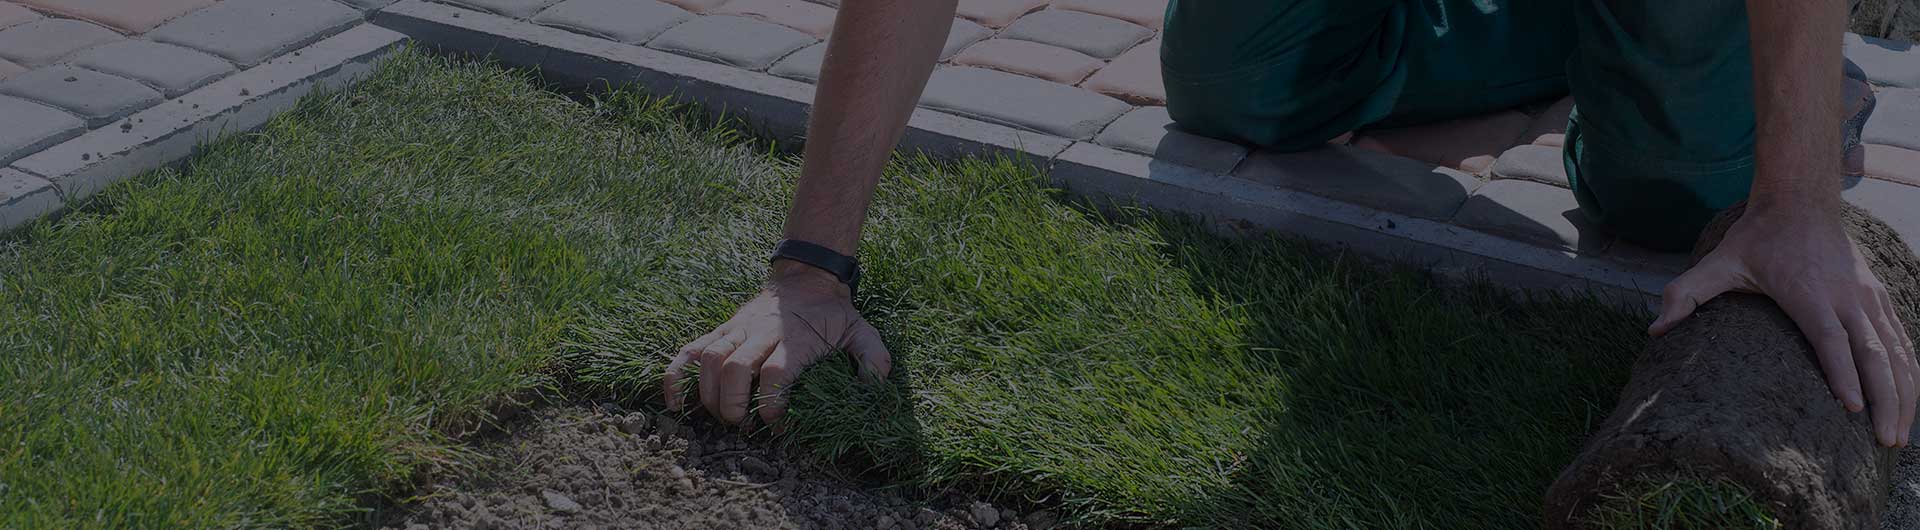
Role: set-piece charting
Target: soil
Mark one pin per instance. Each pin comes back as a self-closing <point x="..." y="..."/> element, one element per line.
<point x="577" y="466"/>
<point x="1735" y="393"/>
<point x="1870" y="18"/>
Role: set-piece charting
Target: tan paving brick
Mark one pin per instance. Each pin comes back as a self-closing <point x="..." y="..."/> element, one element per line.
<point x="1468" y="144"/>
<point x="1052" y="63"/>
<point x="997" y="13"/>
<point x="1537" y="163"/>
<point x="1894" y="163"/>
<point x="814" y="19"/>
<point x="7" y="69"/>
<point x="128" y="16"/>
<point x="1133" y="77"/>
<point x="13" y="14"/>
<point x="48" y="40"/>
<point x="1149" y="13"/>
<point x="697" y="6"/>
<point x="1091" y="34"/>
<point x="629" y="21"/>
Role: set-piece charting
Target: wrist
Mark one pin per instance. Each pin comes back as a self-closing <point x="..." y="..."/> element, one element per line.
<point x="789" y="274"/>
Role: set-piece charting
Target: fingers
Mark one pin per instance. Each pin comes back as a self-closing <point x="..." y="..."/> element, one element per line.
<point x="711" y="359"/>
<point x="1870" y="359"/>
<point x="1684" y="294"/>
<point x="777" y="373"/>
<point x="676" y="370"/>
<point x="1900" y="350"/>
<point x="869" y="351"/>
<point x="1822" y="328"/>
<point x="733" y="381"/>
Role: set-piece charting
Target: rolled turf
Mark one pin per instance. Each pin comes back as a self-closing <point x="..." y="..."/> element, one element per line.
<point x="299" y="321"/>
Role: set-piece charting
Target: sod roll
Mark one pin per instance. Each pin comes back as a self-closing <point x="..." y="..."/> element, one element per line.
<point x="1733" y="396"/>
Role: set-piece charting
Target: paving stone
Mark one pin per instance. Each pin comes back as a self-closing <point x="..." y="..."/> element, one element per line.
<point x="1646" y="258"/>
<point x="1149" y="13"/>
<point x="1896" y="121"/>
<point x="1551" y="140"/>
<point x="172" y="69"/>
<point x="520" y="9"/>
<point x="1469" y="144"/>
<point x="1891" y="202"/>
<point x="98" y="97"/>
<point x="697" y="6"/>
<point x="1365" y="178"/>
<point x="13" y="14"/>
<point x="250" y="31"/>
<point x="629" y="21"/>
<point x="1886" y="62"/>
<point x="369" y="5"/>
<point x="1020" y="101"/>
<point x="961" y="35"/>
<point x="44" y="41"/>
<point x="813" y="19"/>
<point x="803" y="65"/>
<point x="1134" y="77"/>
<point x="1549" y="121"/>
<point x="8" y="69"/>
<point x="732" y="40"/>
<point x="24" y="198"/>
<point x="1532" y="212"/>
<point x="32" y="126"/>
<point x="165" y="133"/>
<point x="1894" y="163"/>
<point x="997" y="13"/>
<point x="1052" y="63"/>
<point x="128" y="16"/>
<point x="1095" y="35"/>
<point x="1149" y="131"/>
<point x="1538" y="163"/>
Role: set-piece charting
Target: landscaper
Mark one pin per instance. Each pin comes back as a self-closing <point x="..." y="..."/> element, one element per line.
<point x="1685" y="108"/>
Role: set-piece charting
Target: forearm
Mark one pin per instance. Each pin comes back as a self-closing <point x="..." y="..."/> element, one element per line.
<point x="876" y="65"/>
<point x="1797" y="99"/>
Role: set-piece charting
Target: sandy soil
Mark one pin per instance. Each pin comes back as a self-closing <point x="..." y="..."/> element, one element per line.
<point x="589" y="467"/>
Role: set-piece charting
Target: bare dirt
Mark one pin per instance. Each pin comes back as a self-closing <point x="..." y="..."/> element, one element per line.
<point x="1895" y="19"/>
<point x="576" y="466"/>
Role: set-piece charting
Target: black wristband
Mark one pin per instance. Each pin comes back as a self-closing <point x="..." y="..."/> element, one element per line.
<point x="839" y="265"/>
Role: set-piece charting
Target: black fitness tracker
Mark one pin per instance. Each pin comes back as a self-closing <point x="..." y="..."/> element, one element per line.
<point x="840" y="265"/>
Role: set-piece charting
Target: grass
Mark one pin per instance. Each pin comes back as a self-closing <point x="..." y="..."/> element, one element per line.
<point x="284" y="330"/>
<point x="1681" y="503"/>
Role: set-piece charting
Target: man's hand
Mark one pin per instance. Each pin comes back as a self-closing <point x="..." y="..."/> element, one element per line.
<point x="802" y="315"/>
<point x="1803" y="259"/>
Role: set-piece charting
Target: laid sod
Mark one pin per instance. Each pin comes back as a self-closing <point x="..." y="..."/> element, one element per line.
<point x="279" y="334"/>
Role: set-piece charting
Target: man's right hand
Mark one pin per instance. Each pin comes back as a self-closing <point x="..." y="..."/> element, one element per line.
<point x="802" y="315"/>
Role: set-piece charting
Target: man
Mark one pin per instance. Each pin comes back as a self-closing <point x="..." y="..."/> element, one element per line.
<point x="1684" y="109"/>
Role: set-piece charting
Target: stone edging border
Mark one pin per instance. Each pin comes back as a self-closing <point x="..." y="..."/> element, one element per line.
<point x="57" y="178"/>
<point x="60" y="177"/>
<point x="778" y="107"/>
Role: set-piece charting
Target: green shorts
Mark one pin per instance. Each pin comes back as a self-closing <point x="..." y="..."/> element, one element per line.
<point x="1661" y="140"/>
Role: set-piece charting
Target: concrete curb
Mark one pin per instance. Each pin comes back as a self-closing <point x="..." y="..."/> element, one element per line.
<point x="168" y="132"/>
<point x="778" y="107"/>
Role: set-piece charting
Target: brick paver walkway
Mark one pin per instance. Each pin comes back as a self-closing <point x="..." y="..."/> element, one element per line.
<point x="1083" y="71"/>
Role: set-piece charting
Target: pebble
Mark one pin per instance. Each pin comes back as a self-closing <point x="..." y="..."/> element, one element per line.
<point x="635" y="424"/>
<point x="985" y="515"/>
<point x="756" y="467"/>
<point x="678" y="472"/>
<point x="884" y="522"/>
<point x="559" y="503"/>
<point x="667" y="426"/>
<point x="1041" y="520"/>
